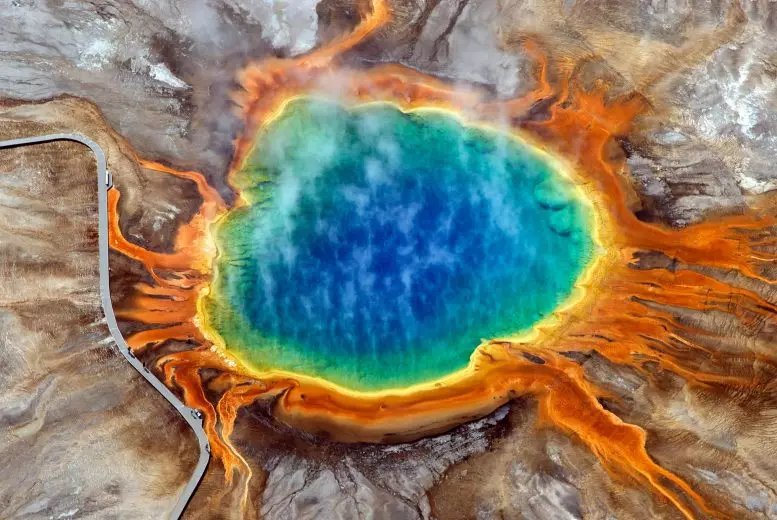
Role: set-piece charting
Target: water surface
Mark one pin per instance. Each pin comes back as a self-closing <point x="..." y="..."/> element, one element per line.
<point x="379" y="248"/>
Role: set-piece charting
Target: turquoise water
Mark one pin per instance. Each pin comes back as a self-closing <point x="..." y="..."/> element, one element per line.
<point x="378" y="248"/>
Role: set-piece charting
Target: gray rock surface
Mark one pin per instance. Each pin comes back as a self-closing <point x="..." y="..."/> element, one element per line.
<point x="459" y="40"/>
<point x="381" y="482"/>
<point x="539" y="496"/>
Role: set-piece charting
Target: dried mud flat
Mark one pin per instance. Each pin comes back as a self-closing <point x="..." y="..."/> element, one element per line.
<point x="89" y="439"/>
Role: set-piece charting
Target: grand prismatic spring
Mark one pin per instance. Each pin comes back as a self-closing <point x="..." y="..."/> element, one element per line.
<point x="405" y="256"/>
<point x="377" y="249"/>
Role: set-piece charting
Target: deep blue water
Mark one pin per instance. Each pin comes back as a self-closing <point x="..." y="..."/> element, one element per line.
<point x="378" y="248"/>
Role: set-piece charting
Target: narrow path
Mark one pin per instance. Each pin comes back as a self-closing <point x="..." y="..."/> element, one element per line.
<point x="193" y="417"/>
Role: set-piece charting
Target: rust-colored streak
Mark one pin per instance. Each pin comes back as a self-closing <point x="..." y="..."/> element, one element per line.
<point x="377" y="18"/>
<point x="186" y="331"/>
<point x="624" y="312"/>
<point x="572" y="407"/>
<point x="184" y="374"/>
<point x="212" y="202"/>
<point x="148" y="258"/>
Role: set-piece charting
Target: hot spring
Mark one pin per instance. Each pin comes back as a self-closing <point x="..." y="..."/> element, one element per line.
<point x="377" y="249"/>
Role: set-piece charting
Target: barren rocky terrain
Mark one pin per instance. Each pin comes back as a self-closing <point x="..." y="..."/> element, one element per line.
<point x="77" y="437"/>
